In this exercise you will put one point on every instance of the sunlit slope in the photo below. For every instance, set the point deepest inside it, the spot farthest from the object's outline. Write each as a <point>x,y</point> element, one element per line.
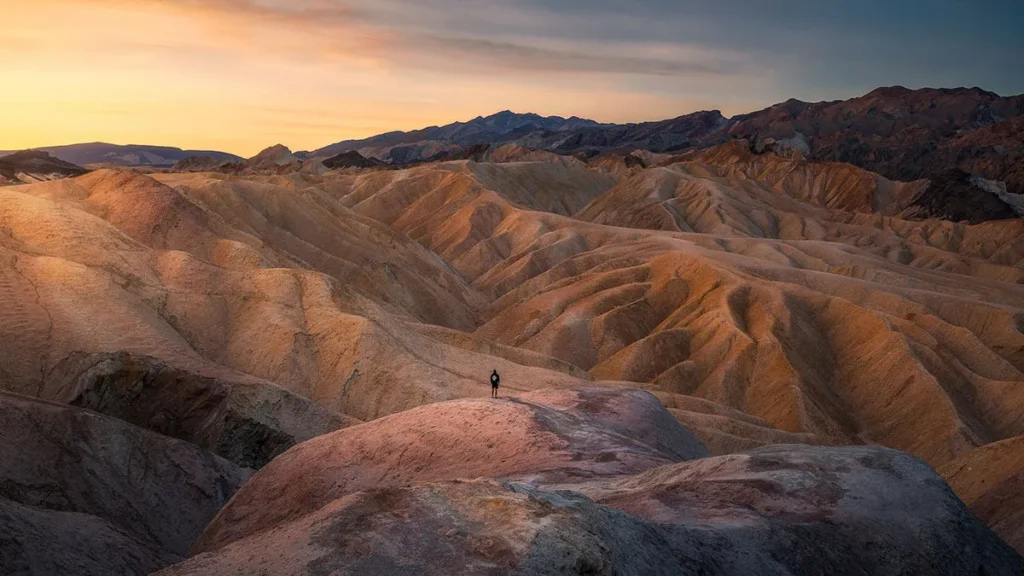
<point>372,292</point>
<point>990,480</point>
<point>853,326</point>
<point>218,280</point>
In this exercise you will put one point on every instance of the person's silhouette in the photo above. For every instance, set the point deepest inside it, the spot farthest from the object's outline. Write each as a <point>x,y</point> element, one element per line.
<point>495,380</point>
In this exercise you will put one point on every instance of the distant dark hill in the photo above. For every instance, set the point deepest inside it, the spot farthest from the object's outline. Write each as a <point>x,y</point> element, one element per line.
<point>202,164</point>
<point>501,127</point>
<point>33,166</point>
<point>476,153</point>
<point>691,130</point>
<point>351,159</point>
<point>954,195</point>
<point>130,155</point>
<point>903,134</point>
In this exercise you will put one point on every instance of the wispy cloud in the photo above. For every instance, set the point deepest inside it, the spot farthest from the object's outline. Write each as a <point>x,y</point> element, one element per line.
<point>517,56</point>
<point>215,70</point>
<point>441,35</point>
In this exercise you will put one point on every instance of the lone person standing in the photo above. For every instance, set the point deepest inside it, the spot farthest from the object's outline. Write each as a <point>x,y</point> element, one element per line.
<point>495,380</point>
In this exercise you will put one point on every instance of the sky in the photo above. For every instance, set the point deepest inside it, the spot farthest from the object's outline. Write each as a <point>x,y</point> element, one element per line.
<point>241,75</point>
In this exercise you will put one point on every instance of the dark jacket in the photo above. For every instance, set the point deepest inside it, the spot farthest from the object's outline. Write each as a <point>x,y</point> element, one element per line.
<point>495,379</point>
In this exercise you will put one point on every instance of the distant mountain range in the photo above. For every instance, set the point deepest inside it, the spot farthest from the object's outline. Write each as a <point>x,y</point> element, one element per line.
<point>130,155</point>
<point>501,127</point>
<point>900,133</point>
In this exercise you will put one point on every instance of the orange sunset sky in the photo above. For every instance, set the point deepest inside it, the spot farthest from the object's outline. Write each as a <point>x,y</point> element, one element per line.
<point>239,75</point>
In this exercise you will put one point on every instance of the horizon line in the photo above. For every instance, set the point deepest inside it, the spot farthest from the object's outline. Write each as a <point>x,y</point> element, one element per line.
<point>405,131</point>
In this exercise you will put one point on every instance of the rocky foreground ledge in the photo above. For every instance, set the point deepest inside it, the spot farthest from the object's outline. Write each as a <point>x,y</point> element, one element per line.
<point>83,493</point>
<point>591,481</point>
<point>587,481</point>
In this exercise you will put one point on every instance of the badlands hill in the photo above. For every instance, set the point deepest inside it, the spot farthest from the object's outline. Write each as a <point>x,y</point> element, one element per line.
<point>726,361</point>
<point>130,155</point>
<point>990,480</point>
<point>31,166</point>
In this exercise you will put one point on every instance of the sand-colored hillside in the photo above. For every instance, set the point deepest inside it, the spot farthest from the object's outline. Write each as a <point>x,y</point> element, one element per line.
<point>990,480</point>
<point>363,291</point>
<point>763,300</point>
<point>776,325</point>
<point>316,311</point>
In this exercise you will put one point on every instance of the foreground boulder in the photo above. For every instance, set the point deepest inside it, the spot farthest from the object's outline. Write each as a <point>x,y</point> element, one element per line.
<point>582,436</point>
<point>781,510</point>
<point>818,510</point>
<point>82,493</point>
